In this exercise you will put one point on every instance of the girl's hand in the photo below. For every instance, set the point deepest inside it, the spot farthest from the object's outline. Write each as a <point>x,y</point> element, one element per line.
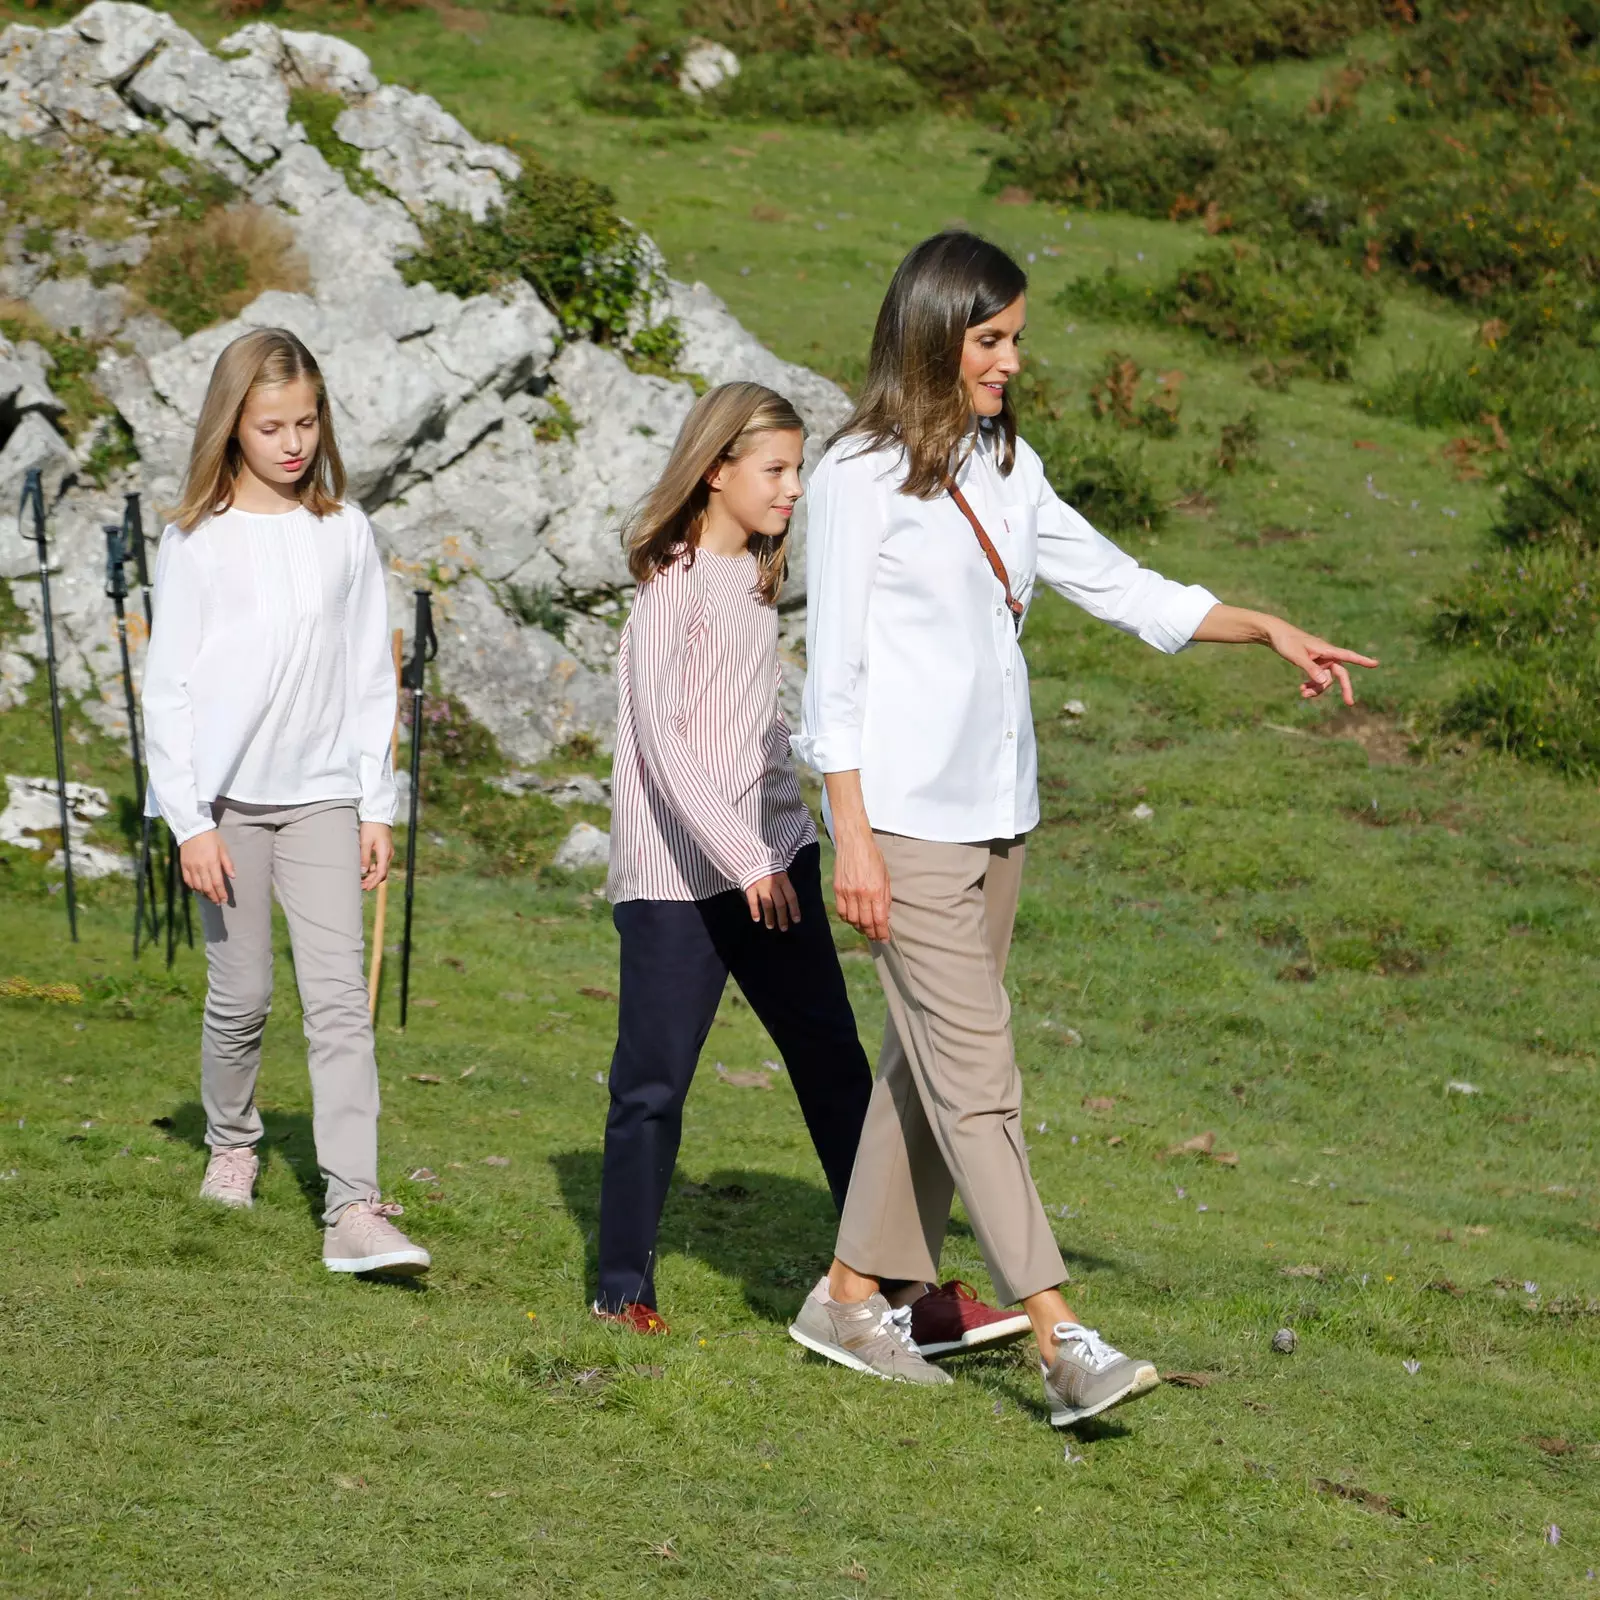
<point>1323,664</point>
<point>773,901</point>
<point>861,884</point>
<point>205,865</point>
<point>377,851</point>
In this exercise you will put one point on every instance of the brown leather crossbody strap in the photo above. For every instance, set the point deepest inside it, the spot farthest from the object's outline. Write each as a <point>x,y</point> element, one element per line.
<point>996,565</point>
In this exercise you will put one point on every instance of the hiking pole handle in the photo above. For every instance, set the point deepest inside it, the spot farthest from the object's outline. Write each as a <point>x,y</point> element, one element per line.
<point>116,564</point>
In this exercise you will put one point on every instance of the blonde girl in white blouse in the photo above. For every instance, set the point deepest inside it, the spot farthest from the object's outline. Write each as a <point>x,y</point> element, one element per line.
<point>269,699</point>
<point>916,711</point>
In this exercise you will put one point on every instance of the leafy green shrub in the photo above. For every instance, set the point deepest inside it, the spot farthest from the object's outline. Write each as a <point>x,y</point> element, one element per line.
<point>559,233</point>
<point>1530,614</point>
<point>196,276</point>
<point>1239,443</point>
<point>1553,495</point>
<point>1115,396</point>
<point>1103,478</point>
<point>657,349</point>
<point>73,363</point>
<point>316,110</point>
<point>1501,53</point>
<point>639,73</point>
<point>846,92</point>
<point>1289,301</point>
<point>538,606</point>
<point>172,182</point>
<point>961,50</point>
<point>1135,143</point>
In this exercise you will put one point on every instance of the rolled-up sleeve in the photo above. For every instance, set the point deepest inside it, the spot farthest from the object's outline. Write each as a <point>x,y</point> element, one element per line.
<point>371,677</point>
<point>1084,566</point>
<point>845,526</point>
<point>168,703</point>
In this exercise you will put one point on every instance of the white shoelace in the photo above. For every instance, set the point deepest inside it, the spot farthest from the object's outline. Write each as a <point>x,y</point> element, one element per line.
<point>897,1324</point>
<point>1097,1352</point>
<point>232,1172</point>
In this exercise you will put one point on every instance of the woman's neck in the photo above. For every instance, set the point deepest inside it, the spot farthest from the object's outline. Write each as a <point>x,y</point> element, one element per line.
<point>721,534</point>
<point>256,495</point>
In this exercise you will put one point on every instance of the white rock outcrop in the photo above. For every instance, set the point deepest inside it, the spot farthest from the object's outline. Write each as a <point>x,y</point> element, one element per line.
<point>495,454</point>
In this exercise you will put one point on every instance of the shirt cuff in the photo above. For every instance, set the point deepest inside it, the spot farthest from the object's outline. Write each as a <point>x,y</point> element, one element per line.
<point>184,835</point>
<point>835,751</point>
<point>1172,629</point>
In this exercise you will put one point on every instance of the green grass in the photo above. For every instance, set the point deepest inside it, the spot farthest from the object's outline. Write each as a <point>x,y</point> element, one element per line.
<point>1328,919</point>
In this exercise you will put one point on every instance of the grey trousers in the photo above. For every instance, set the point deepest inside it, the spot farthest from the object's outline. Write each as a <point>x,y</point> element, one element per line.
<point>946,1109</point>
<point>311,855</point>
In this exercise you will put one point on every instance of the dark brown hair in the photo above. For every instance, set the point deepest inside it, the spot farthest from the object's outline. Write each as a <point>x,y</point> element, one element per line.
<point>914,396</point>
<point>723,426</point>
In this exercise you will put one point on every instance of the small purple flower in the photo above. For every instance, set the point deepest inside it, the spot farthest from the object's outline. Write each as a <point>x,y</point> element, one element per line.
<point>1202,1208</point>
<point>1530,1287</point>
<point>1074,1138</point>
<point>1412,1365</point>
<point>1552,1534</point>
<point>1183,1194</point>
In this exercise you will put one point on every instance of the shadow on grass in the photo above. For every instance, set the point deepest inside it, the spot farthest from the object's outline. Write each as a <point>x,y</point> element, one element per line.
<point>773,1234</point>
<point>286,1137</point>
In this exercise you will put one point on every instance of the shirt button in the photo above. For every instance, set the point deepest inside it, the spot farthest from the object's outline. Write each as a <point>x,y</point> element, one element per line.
<point>999,611</point>
<point>1010,734</point>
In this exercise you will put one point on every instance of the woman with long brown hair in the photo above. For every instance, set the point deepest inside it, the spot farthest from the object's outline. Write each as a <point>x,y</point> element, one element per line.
<point>931,520</point>
<point>268,702</point>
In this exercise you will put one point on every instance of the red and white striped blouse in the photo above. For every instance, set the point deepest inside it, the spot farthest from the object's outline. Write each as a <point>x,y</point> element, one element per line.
<point>704,796</point>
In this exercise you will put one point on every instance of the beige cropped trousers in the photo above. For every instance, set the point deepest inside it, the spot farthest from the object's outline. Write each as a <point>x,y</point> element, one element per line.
<point>311,855</point>
<point>946,1110</point>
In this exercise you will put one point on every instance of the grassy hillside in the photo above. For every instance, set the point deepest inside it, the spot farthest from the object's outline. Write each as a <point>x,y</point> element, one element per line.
<point>1329,920</point>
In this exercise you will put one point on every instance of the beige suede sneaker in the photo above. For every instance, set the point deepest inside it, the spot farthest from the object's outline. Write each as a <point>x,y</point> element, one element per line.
<point>1089,1376</point>
<point>364,1240</point>
<point>864,1335</point>
<point>230,1177</point>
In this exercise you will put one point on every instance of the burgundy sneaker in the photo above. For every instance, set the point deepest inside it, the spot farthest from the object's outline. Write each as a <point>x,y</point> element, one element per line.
<point>951,1320</point>
<point>634,1317</point>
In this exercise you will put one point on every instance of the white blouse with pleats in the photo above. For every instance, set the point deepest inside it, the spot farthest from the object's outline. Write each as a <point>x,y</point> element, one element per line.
<point>269,679</point>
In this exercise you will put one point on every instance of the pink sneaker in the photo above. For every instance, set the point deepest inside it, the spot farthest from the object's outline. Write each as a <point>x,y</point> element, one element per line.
<point>230,1177</point>
<point>364,1240</point>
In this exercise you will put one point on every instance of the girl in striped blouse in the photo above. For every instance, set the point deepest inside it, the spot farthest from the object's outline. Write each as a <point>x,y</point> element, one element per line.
<point>714,860</point>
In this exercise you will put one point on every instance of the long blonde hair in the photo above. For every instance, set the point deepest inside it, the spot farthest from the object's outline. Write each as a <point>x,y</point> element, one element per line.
<point>665,526</point>
<point>914,396</point>
<point>262,359</point>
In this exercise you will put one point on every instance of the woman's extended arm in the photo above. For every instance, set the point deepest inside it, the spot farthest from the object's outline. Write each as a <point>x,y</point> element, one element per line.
<point>1322,663</point>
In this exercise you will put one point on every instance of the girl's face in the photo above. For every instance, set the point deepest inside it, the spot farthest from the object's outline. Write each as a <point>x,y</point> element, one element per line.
<point>279,432</point>
<point>991,356</point>
<point>759,489</point>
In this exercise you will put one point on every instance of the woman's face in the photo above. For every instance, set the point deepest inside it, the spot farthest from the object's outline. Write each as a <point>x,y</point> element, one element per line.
<point>991,356</point>
<point>279,431</point>
<point>760,488</point>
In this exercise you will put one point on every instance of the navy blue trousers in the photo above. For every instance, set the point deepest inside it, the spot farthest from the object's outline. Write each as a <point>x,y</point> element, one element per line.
<point>676,958</point>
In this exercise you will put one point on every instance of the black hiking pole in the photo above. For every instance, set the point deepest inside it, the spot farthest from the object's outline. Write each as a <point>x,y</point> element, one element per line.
<point>33,495</point>
<point>144,908</point>
<point>424,647</point>
<point>133,549</point>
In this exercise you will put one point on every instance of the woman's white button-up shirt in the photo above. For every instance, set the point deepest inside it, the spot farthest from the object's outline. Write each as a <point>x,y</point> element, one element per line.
<point>915,675</point>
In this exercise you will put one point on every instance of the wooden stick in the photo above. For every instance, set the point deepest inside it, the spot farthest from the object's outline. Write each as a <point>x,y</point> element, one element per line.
<point>397,643</point>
